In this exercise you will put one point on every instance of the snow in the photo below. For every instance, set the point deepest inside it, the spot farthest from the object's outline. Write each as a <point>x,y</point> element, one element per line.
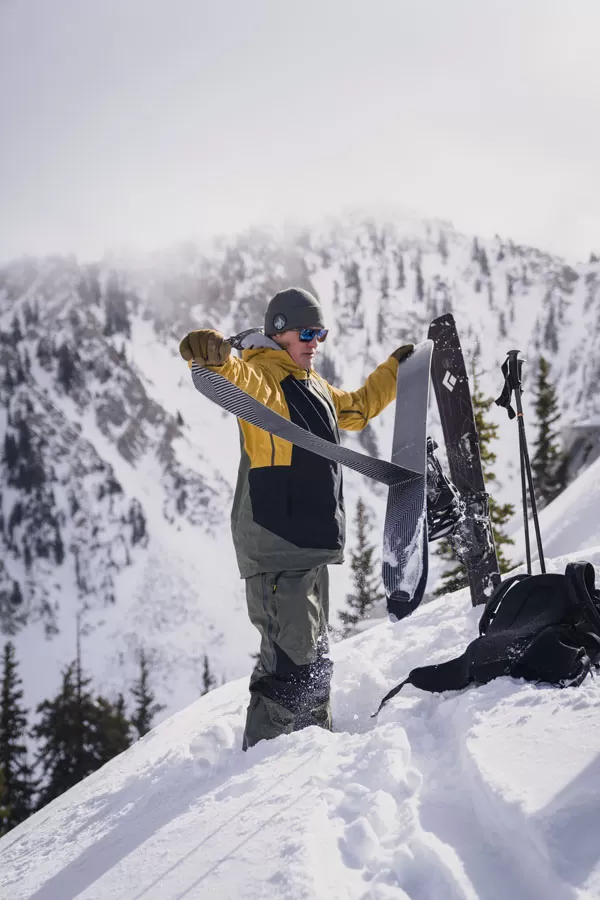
<point>571,522</point>
<point>487,793</point>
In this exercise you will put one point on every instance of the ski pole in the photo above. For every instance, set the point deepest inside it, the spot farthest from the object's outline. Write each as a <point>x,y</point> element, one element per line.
<point>511,369</point>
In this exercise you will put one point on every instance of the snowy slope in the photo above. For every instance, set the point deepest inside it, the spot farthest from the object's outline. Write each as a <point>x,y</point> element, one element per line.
<point>490,793</point>
<point>571,522</point>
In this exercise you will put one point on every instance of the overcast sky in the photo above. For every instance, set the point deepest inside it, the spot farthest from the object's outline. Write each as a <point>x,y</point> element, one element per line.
<point>135,123</point>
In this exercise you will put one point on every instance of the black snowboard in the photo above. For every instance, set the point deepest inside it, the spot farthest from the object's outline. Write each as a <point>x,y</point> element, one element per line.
<point>472,539</point>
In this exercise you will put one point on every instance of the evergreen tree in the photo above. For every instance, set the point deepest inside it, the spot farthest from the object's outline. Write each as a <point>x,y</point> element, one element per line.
<point>113,729</point>
<point>18,789</point>
<point>483,263</point>
<point>17,334</point>
<point>352,278</point>
<point>548,462</point>
<point>502,332</point>
<point>77,733</point>
<point>443,246</point>
<point>550,332</point>
<point>30,313</point>
<point>146,706</point>
<point>4,809</point>
<point>11,451</point>
<point>208,679</point>
<point>116,310</point>
<point>456,577</point>
<point>65,757</point>
<point>67,365</point>
<point>59,547</point>
<point>401,276</point>
<point>26,467</point>
<point>385,285</point>
<point>367,591</point>
<point>137,520</point>
<point>500,513</point>
<point>419,282</point>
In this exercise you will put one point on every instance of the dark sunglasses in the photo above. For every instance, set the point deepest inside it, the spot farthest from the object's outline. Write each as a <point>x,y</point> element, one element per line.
<point>308,334</point>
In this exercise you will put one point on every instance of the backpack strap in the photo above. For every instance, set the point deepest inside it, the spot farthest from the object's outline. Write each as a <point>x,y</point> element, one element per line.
<point>585,599</point>
<point>452,675</point>
<point>500,592</point>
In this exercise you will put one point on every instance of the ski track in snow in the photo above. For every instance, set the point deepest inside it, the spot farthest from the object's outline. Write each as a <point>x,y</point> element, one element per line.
<point>502,854</point>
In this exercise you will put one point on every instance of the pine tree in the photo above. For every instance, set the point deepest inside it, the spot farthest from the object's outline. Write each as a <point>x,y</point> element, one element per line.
<point>548,462</point>
<point>18,789</point>
<point>401,276</point>
<point>113,729</point>
<point>77,733</point>
<point>443,246</point>
<point>367,591</point>
<point>146,706</point>
<point>64,755</point>
<point>67,366</point>
<point>116,310</point>
<point>500,513</point>
<point>419,282</point>
<point>208,679</point>
<point>456,577</point>
<point>483,262</point>
<point>4,809</point>
<point>17,334</point>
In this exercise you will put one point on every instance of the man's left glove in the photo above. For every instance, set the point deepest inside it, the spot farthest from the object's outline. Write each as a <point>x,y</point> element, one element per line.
<point>206,347</point>
<point>403,351</point>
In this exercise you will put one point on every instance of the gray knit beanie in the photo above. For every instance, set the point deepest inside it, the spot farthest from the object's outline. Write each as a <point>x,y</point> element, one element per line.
<point>293,308</point>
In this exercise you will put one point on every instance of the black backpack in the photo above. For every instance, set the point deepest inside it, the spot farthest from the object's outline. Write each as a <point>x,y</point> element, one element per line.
<point>543,628</point>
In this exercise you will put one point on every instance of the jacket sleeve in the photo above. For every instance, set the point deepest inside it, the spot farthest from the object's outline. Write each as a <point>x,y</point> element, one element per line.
<point>355,408</point>
<point>250,379</point>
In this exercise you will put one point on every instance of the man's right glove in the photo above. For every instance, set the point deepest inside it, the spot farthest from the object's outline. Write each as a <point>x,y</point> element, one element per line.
<point>403,351</point>
<point>206,347</point>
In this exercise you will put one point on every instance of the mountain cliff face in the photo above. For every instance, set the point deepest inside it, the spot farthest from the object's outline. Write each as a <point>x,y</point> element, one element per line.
<point>116,477</point>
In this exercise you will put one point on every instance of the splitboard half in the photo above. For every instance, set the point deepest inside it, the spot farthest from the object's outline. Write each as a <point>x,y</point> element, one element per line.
<point>472,539</point>
<point>404,568</point>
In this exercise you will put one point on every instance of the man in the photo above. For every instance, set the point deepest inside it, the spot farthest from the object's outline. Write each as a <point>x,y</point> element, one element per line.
<point>288,518</point>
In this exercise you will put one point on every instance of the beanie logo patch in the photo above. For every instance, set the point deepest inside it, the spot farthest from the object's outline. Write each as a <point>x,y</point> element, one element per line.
<point>279,322</point>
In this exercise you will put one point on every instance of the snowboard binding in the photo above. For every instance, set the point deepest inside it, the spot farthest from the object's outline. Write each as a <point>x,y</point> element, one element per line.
<point>472,537</point>
<point>444,505</point>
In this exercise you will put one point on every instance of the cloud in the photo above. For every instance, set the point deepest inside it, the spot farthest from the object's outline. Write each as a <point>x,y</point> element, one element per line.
<point>140,122</point>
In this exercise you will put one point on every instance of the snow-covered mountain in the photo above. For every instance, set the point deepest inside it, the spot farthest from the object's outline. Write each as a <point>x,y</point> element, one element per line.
<point>116,476</point>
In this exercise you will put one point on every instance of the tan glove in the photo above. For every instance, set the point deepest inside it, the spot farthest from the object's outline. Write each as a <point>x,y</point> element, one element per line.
<point>403,351</point>
<point>206,347</point>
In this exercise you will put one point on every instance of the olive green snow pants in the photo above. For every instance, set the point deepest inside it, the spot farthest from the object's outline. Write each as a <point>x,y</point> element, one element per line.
<point>290,683</point>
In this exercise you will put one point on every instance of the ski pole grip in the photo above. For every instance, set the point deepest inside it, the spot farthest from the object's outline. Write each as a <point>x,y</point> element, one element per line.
<point>515,368</point>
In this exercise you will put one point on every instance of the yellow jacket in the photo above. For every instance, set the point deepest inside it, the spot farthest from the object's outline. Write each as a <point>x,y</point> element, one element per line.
<point>261,373</point>
<point>288,510</point>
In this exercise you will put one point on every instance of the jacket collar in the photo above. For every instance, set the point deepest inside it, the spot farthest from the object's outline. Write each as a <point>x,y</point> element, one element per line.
<point>277,355</point>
